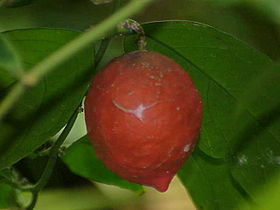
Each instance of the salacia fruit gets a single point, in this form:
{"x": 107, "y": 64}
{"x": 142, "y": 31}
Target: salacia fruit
{"x": 143, "y": 115}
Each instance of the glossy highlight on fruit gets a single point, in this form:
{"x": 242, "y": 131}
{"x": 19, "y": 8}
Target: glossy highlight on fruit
{"x": 143, "y": 116}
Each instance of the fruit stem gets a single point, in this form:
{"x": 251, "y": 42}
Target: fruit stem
{"x": 33, "y": 77}
{"x": 134, "y": 26}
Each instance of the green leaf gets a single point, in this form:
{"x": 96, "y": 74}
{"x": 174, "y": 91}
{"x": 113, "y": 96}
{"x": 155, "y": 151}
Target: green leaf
{"x": 81, "y": 159}
{"x": 268, "y": 197}
{"x": 210, "y": 184}
{"x": 44, "y": 109}
{"x": 9, "y": 60}
{"x": 239, "y": 152}
{"x": 257, "y": 154}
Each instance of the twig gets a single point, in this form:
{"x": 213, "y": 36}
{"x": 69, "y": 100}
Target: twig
{"x": 101, "y": 51}
{"x": 51, "y": 162}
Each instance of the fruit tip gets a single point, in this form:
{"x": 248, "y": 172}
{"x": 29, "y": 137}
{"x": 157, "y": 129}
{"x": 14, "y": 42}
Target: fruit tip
{"x": 161, "y": 184}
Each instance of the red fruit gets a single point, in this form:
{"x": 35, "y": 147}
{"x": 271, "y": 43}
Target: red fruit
{"x": 143, "y": 117}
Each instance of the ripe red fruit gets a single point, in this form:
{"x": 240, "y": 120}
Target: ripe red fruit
{"x": 143, "y": 117}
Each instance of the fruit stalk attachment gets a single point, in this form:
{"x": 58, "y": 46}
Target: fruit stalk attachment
{"x": 133, "y": 26}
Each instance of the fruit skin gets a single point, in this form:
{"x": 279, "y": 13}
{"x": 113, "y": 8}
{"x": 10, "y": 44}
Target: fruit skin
{"x": 143, "y": 116}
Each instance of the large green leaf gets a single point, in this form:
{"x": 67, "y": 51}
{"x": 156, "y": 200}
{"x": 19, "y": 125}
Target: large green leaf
{"x": 257, "y": 154}
{"x": 44, "y": 109}
{"x": 210, "y": 184}
{"x": 223, "y": 68}
{"x": 81, "y": 159}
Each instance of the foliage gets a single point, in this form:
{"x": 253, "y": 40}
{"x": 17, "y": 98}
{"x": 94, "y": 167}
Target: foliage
{"x": 236, "y": 162}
